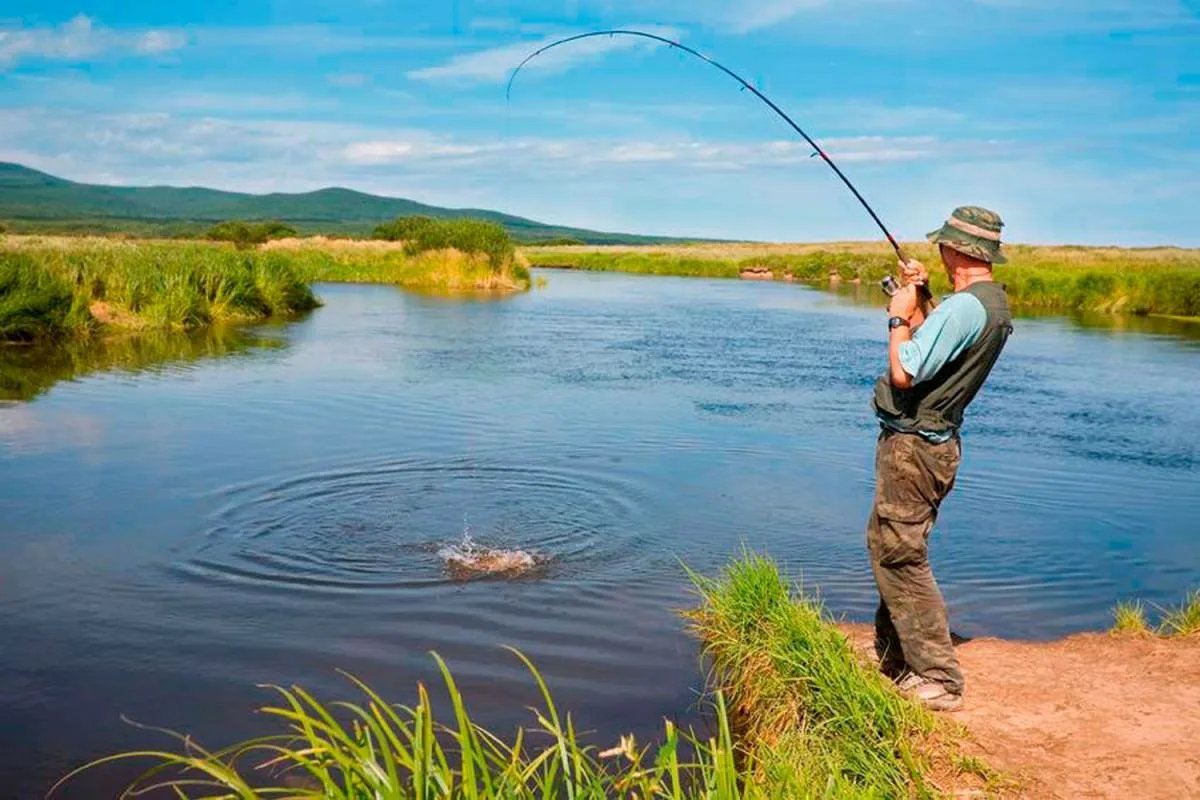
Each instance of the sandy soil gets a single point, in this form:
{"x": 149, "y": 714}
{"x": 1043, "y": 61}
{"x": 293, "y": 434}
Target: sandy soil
{"x": 1091, "y": 716}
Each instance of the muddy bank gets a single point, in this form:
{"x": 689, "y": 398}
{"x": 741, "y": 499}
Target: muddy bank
{"x": 1092, "y": 715}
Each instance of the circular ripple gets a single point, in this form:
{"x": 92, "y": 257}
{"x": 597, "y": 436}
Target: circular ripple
{"x": 382, "y": 525}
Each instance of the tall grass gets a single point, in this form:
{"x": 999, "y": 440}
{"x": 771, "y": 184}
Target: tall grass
{"x": 446, "y": 270}
{"x": 1161, "y": 281}
{"x": 817, "y": 721}
{"x": 159, "y": 286}
{"x": 378, "y": 751}
{"x": 33, "y": 302}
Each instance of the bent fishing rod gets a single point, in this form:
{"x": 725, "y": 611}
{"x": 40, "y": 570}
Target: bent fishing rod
{"x": 746, "y": 85}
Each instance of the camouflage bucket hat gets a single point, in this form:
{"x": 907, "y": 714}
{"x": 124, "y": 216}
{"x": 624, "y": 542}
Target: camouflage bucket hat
{"x": 972, "y": 231}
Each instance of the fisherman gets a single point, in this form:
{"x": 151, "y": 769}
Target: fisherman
{"x": 936, "y": 365}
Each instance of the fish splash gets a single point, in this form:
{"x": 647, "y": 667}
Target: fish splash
{"x": 467, "y": 560}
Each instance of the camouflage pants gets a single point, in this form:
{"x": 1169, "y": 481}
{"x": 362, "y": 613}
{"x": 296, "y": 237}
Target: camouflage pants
{"x": 912, "y": 477}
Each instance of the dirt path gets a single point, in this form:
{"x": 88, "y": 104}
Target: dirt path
{"x": 1091, "y": 716}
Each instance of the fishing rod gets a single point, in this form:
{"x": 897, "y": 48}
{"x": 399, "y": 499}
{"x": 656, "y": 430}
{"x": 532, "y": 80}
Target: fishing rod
{"x": 746, "y": 85}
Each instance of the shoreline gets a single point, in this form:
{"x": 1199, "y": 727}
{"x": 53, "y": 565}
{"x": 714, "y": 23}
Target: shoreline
{"x": 1161, "y": 283}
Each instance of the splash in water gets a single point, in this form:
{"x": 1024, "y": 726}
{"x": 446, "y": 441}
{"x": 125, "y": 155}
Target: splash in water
{"x": 467, "y": 559}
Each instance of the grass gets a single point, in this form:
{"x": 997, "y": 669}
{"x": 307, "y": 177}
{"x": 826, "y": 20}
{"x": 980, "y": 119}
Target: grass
{"x": 1184, "y": 620}
{"x": 74, "y": 287}
{"x": 796, "y": 714}
{"x": 816, "y": 719}
{"x": 1129, "y": 617}
{"x": 1158, "y": 281}
{"x": 60, "y": 287}
{"x": 444, "y": 270}
{"x": 372, "y": 749}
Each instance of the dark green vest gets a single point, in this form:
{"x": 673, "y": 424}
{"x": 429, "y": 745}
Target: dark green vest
{"x": 937, "y": 405}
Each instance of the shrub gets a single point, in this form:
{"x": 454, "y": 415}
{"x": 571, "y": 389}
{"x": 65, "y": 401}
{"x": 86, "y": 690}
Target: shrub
{"x": 249, "y": 234}
{"x": 422, "y": 234}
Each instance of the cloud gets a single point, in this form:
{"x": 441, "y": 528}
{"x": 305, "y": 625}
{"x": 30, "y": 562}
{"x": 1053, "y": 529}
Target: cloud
{"x": 496, "y": 64}
{"x": 81, "y": 38}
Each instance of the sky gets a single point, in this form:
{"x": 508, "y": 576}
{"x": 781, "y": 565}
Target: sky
{"x": 1077, "y": 120}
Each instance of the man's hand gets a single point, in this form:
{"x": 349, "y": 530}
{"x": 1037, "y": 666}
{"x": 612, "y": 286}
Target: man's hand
{"x": 914, "y": 272}
{"x": 904, "y": 302}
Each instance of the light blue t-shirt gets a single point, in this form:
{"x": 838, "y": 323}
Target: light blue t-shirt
{"x": 953, "y": 326}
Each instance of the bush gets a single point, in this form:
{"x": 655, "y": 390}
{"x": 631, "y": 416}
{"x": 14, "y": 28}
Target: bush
{"x": 422, "y": 234}
{"x": 249, "y": 234}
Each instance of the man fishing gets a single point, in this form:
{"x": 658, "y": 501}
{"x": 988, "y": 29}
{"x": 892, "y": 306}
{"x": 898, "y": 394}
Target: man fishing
{"x": 936, "y": 365}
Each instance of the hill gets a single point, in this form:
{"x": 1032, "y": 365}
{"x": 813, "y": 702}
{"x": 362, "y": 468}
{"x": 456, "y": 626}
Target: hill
{"x": 33, "y": 201}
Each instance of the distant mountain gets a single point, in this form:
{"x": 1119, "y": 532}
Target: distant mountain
{"x": 35, "y": 201}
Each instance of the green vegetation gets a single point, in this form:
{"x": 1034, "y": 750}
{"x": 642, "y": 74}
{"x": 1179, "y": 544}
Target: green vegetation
{"x": 248, "y": 234}
{"x": 441, "y": 270}
{"x": 1129, "y": 617}
{"x": 805, "y": 718}
{"x": 1162, "y": 281}
{"x": 377, "y": 750}
{"x": 55, "y": 288}
{"x": 33, "y": 302}
{"x": 816, "y": 720}
{"x": 423, "y": 234}
{"x": 1183, "y": 620}
{"x": 35, "y": 202}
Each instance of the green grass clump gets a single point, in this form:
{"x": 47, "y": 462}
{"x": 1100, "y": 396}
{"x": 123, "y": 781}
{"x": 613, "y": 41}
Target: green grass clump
{"x": 372, "y": 749}
{"x": 1183, "y": 620}
{"x": 1129, "y": 617}
{"x": 423, "y": 234}
{"x": 815, "y": 719}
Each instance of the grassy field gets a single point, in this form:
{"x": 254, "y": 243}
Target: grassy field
{"x": 1158, "y": 281}
{"x": 59, "y": 287}
{"x": 796, "y": 713}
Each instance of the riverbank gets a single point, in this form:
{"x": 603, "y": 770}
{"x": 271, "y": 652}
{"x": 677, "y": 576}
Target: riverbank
{"x": 56, "y": 287}
{"x": 799, "y": 711}
{"x": 1145, "y": 281}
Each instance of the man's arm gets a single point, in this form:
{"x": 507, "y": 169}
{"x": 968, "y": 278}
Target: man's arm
{"x": 904, "y": 305}
{"x": 916, "y": 356}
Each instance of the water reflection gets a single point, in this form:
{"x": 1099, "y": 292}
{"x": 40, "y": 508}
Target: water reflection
{"x": 27, "y": 371}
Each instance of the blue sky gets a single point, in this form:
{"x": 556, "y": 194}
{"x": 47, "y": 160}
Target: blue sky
{"x": 1078, "y": 120}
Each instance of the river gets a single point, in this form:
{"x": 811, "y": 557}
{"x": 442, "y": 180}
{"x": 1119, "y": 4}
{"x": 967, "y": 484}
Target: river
{"x": 173, "y": 536}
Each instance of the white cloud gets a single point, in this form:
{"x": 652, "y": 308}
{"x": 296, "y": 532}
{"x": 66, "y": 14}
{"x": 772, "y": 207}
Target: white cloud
{"x": 496, "y": 64}
{"x": 81, "y": 38}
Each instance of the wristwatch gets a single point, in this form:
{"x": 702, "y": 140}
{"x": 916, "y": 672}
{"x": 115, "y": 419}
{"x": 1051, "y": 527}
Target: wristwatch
{"x": 897, "y": 322}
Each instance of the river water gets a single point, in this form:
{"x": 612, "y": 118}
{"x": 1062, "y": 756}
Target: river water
{"x": 273, "y": 510}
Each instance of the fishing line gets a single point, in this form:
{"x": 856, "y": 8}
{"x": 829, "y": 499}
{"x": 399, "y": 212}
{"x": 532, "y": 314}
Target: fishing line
{"x": 746, "y": 86}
